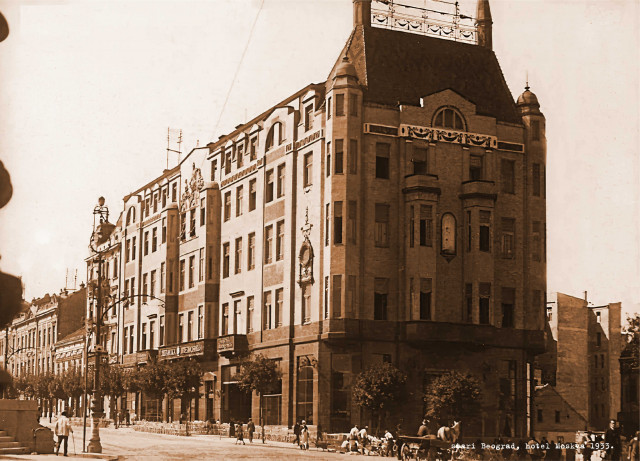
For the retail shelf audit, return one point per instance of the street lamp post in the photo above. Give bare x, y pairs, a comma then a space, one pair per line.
102, 212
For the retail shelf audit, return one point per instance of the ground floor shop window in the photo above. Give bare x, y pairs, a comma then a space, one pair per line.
304, 394
271, 405
340, 392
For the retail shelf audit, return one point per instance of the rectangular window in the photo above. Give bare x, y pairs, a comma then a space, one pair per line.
469, 231
163, 195
181, 328
203, 211
127, 251
353, 156
308, 117
266, 311
419, 160
508, 176
250, 309
154, 239
214, 167
308, 169
237, 314
412, 226
426, 226
152, 283
269, 187
508, 237
253, 146
536, 244
338, 156
508, 303
329, 107
225, 320
557, 416
353, 105
485, 231
225, 260
383, 152
145, 287
251, 251
598, 339
268, 238
468, 299
328, 162
183, 226
201, 265
252, 195
190, 326
306, 304
238, 260
161, 332
281, 172
425, 299
192, 264
227, 206
278, 310
162, 269
476, 168
485, 297
174, 190
182, 269
352, 213
327, 224
280, 240
337, 223
350, 301
227, 161
380, 295
146, 243
192, 221
210, 263
382, 225
337, 296
164, 230
535, 173
240, 155
326, 298
339, 104
239, 193
125, 334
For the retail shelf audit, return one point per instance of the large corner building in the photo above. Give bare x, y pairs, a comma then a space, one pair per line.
394, 212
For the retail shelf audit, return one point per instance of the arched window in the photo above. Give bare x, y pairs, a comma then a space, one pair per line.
274, 138
131, 216
448, 117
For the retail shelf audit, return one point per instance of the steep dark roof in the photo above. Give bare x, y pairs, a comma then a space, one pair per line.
402, 67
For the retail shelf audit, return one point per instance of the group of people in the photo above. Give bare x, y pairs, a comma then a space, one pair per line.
237, 430
301, 433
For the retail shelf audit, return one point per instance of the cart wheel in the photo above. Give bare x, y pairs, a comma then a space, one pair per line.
405, 452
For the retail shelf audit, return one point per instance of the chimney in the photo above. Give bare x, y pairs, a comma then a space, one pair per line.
361, 13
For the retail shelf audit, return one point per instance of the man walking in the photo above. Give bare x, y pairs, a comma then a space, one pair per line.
251, 428
62, 429
612, 438
296, 432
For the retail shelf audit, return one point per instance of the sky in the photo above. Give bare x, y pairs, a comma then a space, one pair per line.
89, 89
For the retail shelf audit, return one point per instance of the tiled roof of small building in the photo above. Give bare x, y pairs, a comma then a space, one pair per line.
401, 67
79, 333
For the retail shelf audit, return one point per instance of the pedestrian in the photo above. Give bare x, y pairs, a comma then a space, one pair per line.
633, 452
423, 431
251, 428
363, 438
353, 438
388, 442
62, 429
232, 429
127, 416
296, 432
612, 438
587, 450
240, 434
304, 436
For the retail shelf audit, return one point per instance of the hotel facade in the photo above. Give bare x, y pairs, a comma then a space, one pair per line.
393, 213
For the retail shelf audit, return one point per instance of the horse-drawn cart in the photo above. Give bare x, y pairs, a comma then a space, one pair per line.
420, 448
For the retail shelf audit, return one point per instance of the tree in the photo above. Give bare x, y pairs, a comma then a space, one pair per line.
452, 396
112, 385
182, 381
73, 384
259, 374
378, 387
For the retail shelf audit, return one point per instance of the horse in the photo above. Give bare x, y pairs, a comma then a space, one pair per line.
450, 434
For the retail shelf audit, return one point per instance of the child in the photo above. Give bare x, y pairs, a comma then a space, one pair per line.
239, 434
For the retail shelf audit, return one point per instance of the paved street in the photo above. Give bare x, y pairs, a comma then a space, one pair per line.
127, 444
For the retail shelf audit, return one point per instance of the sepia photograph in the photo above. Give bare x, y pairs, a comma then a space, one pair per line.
257, 229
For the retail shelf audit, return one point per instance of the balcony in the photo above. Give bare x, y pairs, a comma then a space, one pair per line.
232, 345
479, 189
138, 357
421, 333
427, 183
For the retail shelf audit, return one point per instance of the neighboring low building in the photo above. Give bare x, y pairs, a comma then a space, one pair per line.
69, 355
580, 372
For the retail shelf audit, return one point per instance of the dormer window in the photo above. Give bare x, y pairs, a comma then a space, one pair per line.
448, 117
274, 138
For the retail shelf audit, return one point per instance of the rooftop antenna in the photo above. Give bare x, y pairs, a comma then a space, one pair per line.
75, 280
179, 151
527, 84
66, 277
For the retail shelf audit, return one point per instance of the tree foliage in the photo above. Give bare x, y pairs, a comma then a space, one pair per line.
631, 350
182, 379
453, 396
258, 373
73, 383
379, 386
